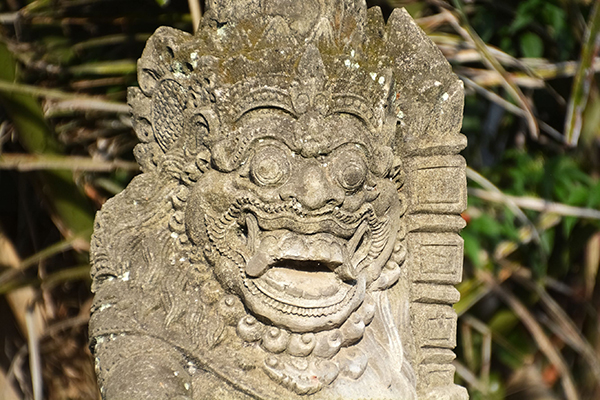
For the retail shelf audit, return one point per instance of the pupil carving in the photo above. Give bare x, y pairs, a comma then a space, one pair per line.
269, 166
353, 175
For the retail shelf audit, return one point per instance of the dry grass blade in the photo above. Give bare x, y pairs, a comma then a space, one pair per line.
469, 377
12, 274
533, 203
525, 234
572, 334
583, 78
538, 334
20, 299
27, 162
7, 392
87, 102
485, 183
592, 263
196, 13
490, 61
35, 361
508, 106
486, 347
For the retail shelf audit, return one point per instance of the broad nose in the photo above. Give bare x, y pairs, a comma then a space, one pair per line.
313, 189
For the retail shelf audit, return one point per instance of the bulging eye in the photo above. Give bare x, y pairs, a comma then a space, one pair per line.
351, 171
269, 166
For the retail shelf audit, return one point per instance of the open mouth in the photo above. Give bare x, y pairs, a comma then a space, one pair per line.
314, 271
301, 269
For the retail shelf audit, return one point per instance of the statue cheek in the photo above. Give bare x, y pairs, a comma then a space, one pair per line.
211, 196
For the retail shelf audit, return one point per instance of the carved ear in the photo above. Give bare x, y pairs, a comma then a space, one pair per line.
158, 56
168, 104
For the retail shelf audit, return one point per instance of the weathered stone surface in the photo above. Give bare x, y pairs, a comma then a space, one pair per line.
294, 233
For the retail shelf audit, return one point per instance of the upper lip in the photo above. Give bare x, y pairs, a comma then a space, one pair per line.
296, 246
287, 215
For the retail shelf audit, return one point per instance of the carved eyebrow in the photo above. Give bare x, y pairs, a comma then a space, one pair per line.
270, 103
352, 145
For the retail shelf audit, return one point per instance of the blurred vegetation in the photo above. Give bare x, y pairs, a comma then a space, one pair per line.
528, 319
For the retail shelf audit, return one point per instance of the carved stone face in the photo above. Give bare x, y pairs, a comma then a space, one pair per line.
303, 222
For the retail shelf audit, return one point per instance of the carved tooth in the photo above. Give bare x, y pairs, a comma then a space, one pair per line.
346, 272
337, 254
293, 247
258, 264
319, 251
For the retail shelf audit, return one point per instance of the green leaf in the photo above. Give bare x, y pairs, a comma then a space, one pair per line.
472, 248
531, 45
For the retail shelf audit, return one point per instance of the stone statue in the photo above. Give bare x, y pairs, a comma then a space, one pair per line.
294, 234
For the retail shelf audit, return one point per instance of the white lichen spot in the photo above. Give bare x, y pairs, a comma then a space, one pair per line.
100, 340
125, 277
191, 368
373, 75
381, 80
176, 373
112, 336
135, 203
352, 53
104, 307
110, 278
400, 114
221, 31
347, 63
182, 259
355, 65
186, 386
445, 96
194, 58
437, 83
174, 235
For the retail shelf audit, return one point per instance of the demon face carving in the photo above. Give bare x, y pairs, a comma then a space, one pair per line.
264, 252
304, 223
